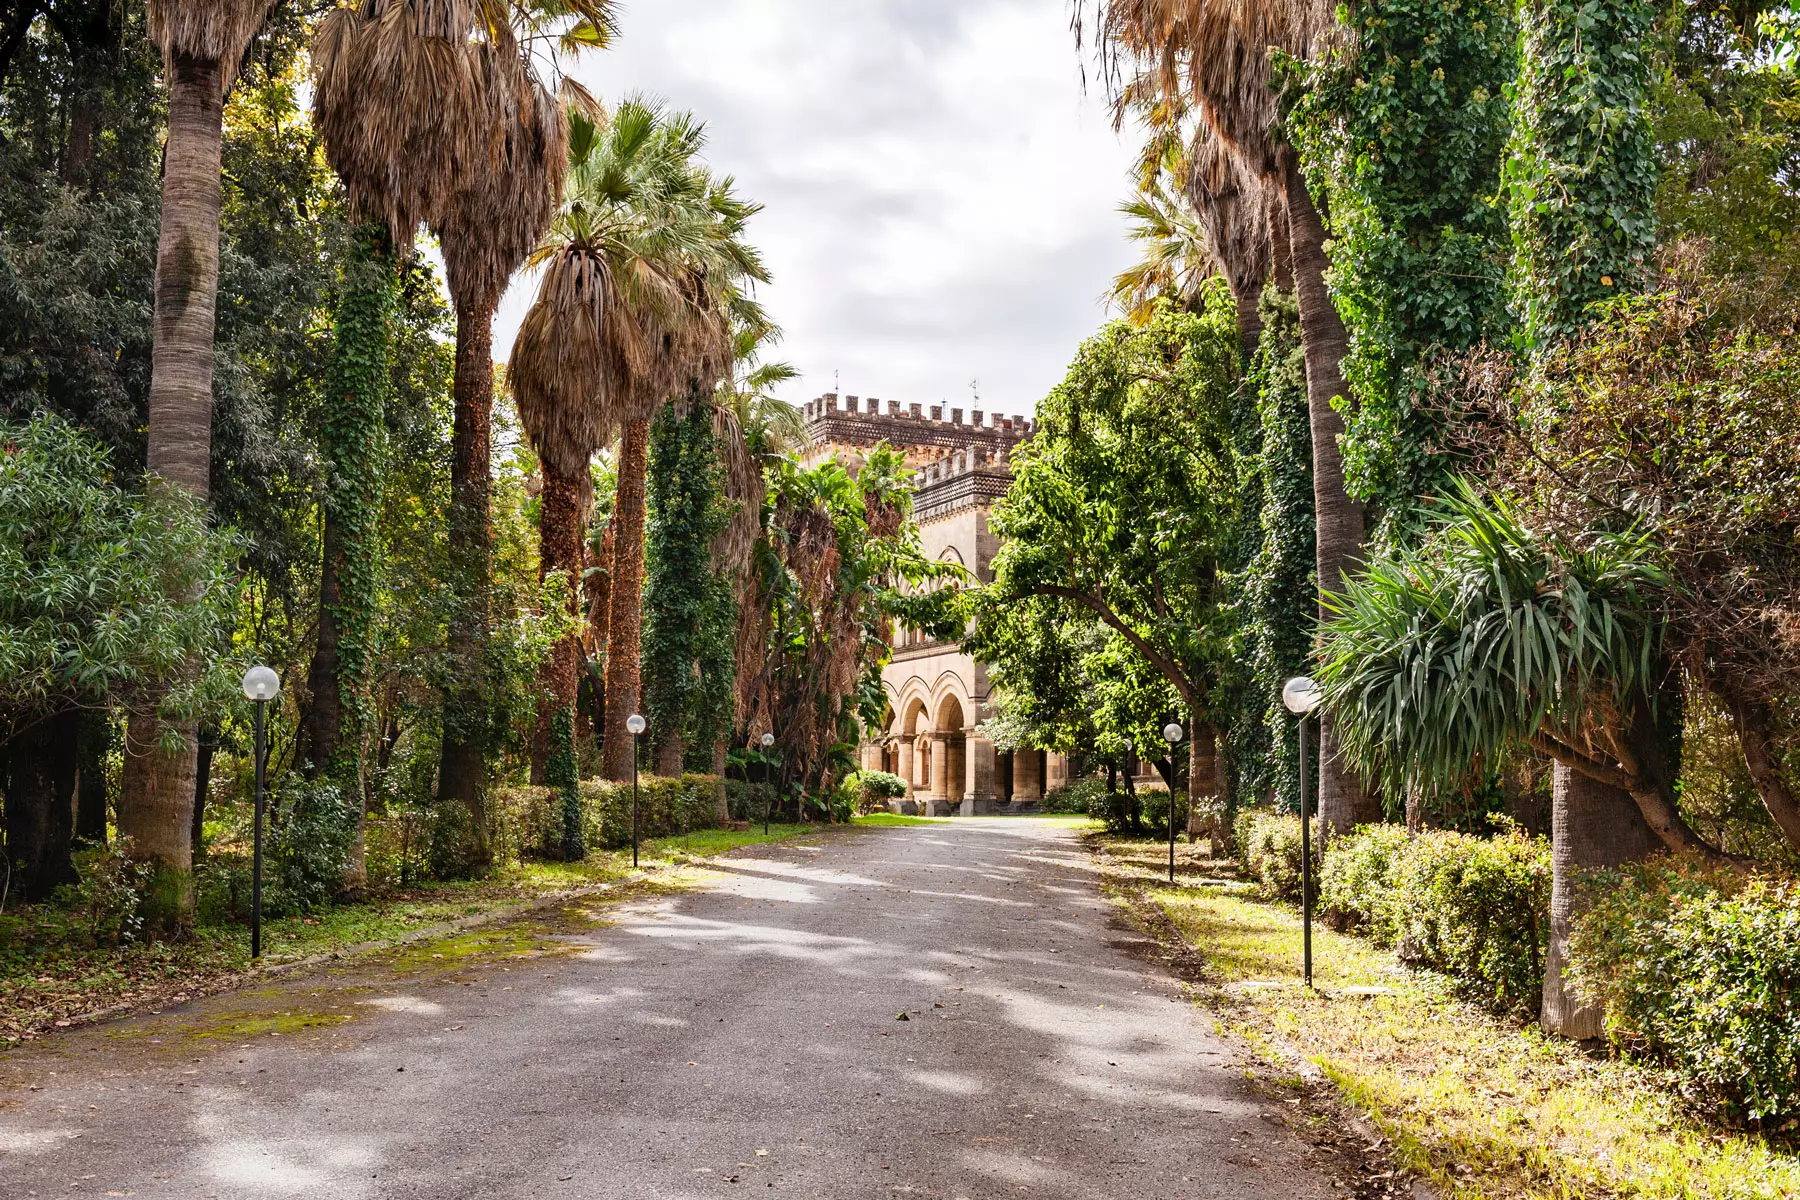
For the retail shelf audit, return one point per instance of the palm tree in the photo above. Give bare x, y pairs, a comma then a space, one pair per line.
627, 314
1214, 54
202, 45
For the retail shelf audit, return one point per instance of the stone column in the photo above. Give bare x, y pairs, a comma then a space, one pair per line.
1027, 787
906, 760
939, 796
871, 756
981, 796
1056, 771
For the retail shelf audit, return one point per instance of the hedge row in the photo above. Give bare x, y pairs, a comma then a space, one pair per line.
528, 821
1698, 968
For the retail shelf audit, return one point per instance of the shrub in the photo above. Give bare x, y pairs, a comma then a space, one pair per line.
873, 789
748, 801
1477, 909
310, 848
1268, 847
108, 895
1701, 969
1356, 880
1076, 796
1155, 804
530, 821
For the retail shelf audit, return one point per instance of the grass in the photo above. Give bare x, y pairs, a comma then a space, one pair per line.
50, 978
1483, 1106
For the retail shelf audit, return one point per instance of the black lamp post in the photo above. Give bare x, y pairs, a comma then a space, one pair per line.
261, 685
1302, 697
636, 724
768, 739
1172, 735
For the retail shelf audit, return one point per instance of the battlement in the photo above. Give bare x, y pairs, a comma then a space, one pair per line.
971, 478
851, 425
919, 418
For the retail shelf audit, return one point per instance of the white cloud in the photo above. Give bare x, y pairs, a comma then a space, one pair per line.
940, 192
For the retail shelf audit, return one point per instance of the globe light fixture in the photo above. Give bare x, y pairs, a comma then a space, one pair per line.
767, 740
1302, 697
261, 685
636, 724
1171, 733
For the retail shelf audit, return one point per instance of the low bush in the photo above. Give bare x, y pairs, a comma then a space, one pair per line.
1356, 880
1155, 804
1267, 845
748, 801
529, 821
1076, 796
1700, 968
870, 791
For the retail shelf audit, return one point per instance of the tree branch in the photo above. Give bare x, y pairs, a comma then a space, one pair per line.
1164, 665
1752, 720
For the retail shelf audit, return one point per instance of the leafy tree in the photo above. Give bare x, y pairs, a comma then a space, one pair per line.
1123, 508
106, 595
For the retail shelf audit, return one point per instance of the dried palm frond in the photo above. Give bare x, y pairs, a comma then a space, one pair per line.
209, 30
571, 361
733, 548
1230, 205
507, 199
399, 103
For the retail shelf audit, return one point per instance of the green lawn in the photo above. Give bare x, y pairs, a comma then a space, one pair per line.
48, 978
1481, 1105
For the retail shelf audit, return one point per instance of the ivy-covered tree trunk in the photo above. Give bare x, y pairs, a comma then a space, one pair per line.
354, 445
625, 626
1343, 802
1583, 170
560, 510
460, 839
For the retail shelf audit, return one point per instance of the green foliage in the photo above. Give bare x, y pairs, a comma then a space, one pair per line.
748, 800
1278, 587
1120, 521
1076, 796
353, 440
1444, 655
309, 845
107, 899
1702, 969
1582, 173
1267, 846
561, 775
1405, 125
869, 791
529, 822
1476, 909
103, 592
690, 613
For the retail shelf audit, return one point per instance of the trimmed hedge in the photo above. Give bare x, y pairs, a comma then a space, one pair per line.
1267, 846
748, 801
870, 791
1076, 796
1700, 968
529, 821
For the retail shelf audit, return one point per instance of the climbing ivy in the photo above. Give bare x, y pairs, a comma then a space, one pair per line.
682, 591
353, 441
1404, 129
1582, 174
1277, 589
561, 773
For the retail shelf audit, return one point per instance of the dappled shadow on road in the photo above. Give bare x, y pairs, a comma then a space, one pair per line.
905, 1013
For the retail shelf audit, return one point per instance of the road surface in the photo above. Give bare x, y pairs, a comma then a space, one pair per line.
934, 1011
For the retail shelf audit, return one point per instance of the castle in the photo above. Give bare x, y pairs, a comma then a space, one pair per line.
937, 695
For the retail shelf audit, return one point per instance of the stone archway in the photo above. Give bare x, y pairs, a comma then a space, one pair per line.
949, 759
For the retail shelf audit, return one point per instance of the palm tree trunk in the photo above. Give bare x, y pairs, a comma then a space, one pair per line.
1591, 826
625, 634
462, 765
1343, 802
599, 587
156, 801
559, 549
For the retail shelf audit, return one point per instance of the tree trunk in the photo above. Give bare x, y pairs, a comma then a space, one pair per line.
156, 801
1592, 826
559, 549
462, 765
721, 748
669, 755
626, 625
1754, 735
599, 590
208, 745
1206, 802
90, 779
1343, 802
324, 714
40, 807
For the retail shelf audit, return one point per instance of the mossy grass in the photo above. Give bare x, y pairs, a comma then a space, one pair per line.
47, 977
1483, 1106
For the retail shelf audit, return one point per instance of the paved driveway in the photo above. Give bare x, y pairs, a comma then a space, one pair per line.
738, 1040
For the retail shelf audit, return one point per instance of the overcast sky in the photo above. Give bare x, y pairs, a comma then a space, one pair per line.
940, 192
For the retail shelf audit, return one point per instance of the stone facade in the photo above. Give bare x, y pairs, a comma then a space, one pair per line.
937, 695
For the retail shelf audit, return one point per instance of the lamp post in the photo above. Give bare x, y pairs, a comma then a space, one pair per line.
768, 739
1172, 735
635, 723
1302, 696
261, 685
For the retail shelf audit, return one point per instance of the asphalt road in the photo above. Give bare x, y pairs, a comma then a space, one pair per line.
743, 1039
